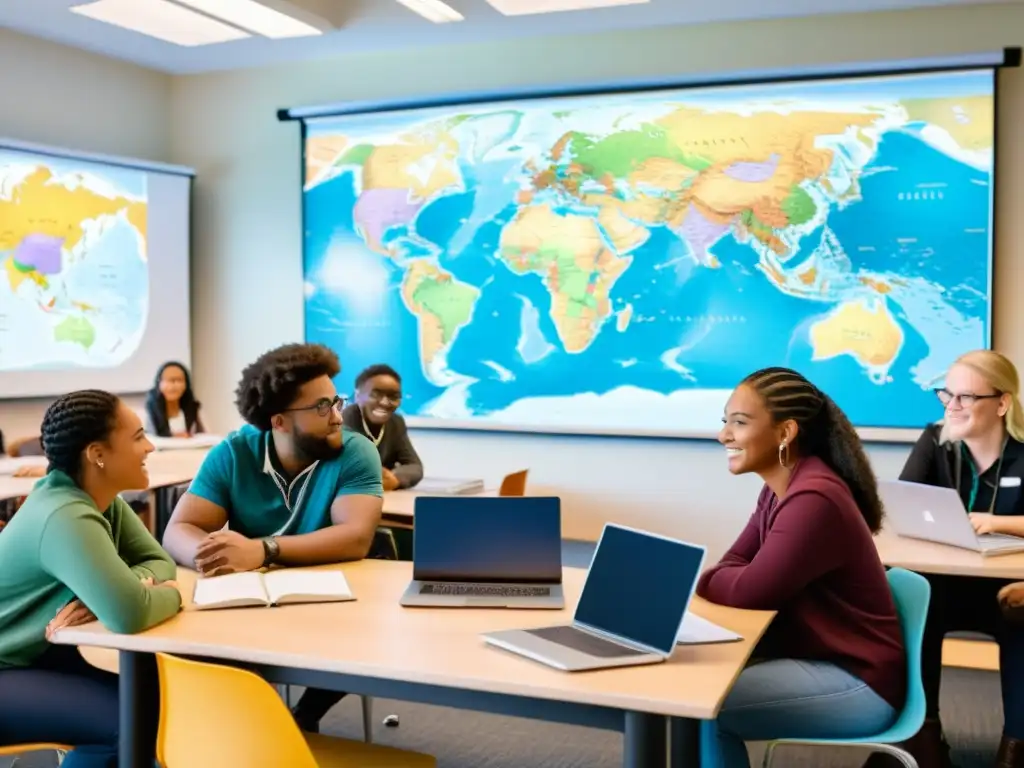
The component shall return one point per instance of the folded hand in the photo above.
(71, 615)
(228, 552)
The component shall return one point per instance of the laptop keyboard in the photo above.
(592, 645)
(484, 590)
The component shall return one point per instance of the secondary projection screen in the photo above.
(94, 271)
(617, 263)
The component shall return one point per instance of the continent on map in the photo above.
(322, 152)
(567, 251)
(863, 329)
(970, 120)
(442, 305)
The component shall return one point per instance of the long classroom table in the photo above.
(373, 646)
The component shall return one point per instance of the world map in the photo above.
(74, 280)
(618, 263)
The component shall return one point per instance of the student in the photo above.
(296, 486)
(171, 408)
(75, 552)
(378, 395)
(832, 664)
(978, 449)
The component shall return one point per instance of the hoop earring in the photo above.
(784, 450)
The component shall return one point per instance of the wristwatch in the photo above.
(271, 549)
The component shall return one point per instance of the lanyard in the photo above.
(976, 478)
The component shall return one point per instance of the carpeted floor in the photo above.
(468, 740)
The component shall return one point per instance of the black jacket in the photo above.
(935, 463)
(395, 449)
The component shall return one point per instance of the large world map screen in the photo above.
(618, 263)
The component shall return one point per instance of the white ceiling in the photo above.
(386, 24)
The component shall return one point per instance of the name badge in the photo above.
(1009, 482)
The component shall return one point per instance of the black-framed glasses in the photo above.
(967, 400)
(323, 406)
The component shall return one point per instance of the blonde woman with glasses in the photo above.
(978, 449)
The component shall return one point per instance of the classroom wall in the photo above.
(51, 94)
(247, 293)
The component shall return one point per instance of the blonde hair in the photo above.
(1002, 375)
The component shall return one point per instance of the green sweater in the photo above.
(60, 546)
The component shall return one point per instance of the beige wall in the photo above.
(50, 94)
(248, 295)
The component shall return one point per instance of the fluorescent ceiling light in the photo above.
(255, 17)
(525, 7)
(433, 10)
(162, 20)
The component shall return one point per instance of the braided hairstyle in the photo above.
(824, 431)
(270, 385)
(72, 423)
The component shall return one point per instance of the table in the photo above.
(399, 506)
(374, 647)
(929, 557)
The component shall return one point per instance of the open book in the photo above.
(697, 631)
(241, 590)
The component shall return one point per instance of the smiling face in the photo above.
(172, 383)
(314, 420)
(124, 452)
(973, 407)
(379, 398)
(750, 435)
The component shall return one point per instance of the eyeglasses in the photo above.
(947, 398)
(392, 396)
(322, 406)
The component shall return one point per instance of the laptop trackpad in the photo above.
(584, 642)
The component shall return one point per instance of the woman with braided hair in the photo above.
(832, 664)
(76, 552)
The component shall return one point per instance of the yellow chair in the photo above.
(212, 716)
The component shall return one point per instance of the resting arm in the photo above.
(408, 466)
(740, 553)
(1012, 525)
(139, 549)
(354, 520)
(193, 520)
(804, 543)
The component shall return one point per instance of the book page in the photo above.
(293, 585)
(696, 631)
(235, 589)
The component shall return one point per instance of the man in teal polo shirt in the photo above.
(293, 486)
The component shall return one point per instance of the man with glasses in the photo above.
(378, 395)
(293, 486)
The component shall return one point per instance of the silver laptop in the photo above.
(486, 552)
(633, 603)
(934, 513)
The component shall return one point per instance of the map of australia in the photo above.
(74, 287)
(619, 263)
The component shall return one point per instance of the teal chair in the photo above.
(912, 592)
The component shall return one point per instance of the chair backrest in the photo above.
(514, 484)
(912, 593)
(213, 716)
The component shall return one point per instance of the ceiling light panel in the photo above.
(255, 17)
(162, 20)
(433, 10)
(527, 7)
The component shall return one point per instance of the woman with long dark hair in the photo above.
(171, 407)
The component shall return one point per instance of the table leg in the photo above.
(684, 743)
(645, 741)
(139, 709)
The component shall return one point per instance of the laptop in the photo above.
(486, 552)
(631, 609)
(937, 514)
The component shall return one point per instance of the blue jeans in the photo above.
(789, 698)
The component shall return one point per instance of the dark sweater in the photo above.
(949, 465)
(810, 556)
(395, 449)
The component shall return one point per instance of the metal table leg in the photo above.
(139, 709)
(645, 741)
(684, 743)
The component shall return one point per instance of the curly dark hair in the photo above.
(270, 385)
(824, 431)
(74, 421)
(379, 369)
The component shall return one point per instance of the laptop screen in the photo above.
(638, 586)
(488, 538)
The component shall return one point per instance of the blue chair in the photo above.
(912, 593)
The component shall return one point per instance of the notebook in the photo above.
(699, 631)
(448, 487)
(243, 590)
(202, 440)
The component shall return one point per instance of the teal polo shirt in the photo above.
(239, 475)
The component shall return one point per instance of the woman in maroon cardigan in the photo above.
(832, 664)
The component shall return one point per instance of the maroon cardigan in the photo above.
(811, 557)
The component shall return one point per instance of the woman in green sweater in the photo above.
(75, 552)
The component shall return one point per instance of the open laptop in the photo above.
(633, 603)
(935, 513)
(486, 552)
